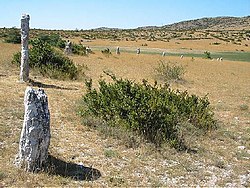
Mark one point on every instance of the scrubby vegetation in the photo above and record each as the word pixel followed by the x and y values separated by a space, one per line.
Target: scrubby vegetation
pixel 56 41
pixel 53 40
pixel 158 113
pixel 48 61
pixel 78 49
pixel 217 158
pixel 207 55
pixel 106 52
pixel 187 30
pixel 169 72
pixel 13 36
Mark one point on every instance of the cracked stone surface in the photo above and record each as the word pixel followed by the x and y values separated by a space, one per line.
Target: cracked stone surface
pixel 35 135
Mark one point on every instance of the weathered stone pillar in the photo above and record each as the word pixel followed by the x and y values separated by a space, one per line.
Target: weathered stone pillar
pixel 68 48
pixel 138 51
pixel 35 135
pixel 24 72
pixel 118 50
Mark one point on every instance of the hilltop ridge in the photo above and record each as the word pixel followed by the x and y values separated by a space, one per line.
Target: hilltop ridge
pixel 216 23
pixel 212 23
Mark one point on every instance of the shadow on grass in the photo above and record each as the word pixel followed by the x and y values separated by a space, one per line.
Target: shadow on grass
pixel 71 170
pixel 40 84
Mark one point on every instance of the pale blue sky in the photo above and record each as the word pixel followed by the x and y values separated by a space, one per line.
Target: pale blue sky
pixel 87 14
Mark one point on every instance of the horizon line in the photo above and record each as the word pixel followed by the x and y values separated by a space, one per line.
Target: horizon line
pixel 118 28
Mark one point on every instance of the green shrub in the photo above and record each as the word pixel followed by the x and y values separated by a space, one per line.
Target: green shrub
pixel 244 107
pixel 169 72
pixel 49 62
pixel 216 43
pixel 13 36
pixel 157 113
pixel 2 175
pixel 78 49
pixel 207 55
pixel 53 40
pixel 106 52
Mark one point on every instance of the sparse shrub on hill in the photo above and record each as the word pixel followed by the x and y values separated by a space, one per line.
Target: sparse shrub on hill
pixel 244 107
pixel 156 112
pixel 106 52
pixel 216 43
pixel 53 40
pixel 169 72
pixel 56 41
pixel 207 55
pixel 48 61
pixel 13 36
pixel 78 49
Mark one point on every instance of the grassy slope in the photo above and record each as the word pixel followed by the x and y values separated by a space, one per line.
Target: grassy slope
pixel 217 162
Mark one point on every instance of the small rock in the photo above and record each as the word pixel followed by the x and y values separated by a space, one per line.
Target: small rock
pixel 236 118
pixel 241 147
pixel 81 165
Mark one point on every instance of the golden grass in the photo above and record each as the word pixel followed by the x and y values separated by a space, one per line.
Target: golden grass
pixel 174 44
pixel 217 162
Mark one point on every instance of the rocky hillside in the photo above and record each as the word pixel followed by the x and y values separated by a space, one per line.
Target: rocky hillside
pixel 217 23
pixel 214 23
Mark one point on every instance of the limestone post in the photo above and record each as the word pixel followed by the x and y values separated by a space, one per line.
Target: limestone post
pixel 35 135
pixel 24 72
pixel 138 51
pixel 68 48
pixel 118 50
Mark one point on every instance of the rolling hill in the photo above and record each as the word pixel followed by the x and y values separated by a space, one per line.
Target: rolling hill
pixel 216 23
pixel 212 23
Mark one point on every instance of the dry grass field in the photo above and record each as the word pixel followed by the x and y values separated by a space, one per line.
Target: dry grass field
pixel 221 157
pixel 172 45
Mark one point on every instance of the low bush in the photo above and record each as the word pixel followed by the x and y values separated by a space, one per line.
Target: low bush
pixel 53 40
pixel 106 52
pixel 207 55
pixel 155 112
pixel 13 36
pixel 216 43
pixel 48 61
pixel 244 107
pixel 169 71
pixel 78 49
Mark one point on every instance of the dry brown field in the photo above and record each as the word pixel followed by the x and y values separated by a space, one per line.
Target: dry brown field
pixel 222 157
pixel 173 45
